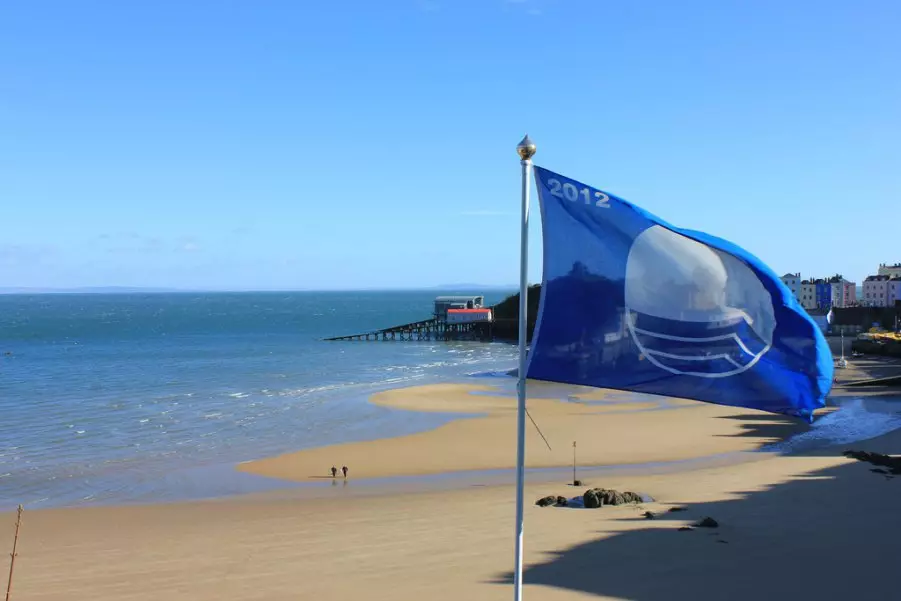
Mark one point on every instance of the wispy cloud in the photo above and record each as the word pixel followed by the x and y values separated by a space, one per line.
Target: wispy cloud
pixel 485 213
pixel 135 243
pixel 25 254
pixel 187 244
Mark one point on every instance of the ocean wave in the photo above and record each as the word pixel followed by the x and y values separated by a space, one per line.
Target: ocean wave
pixel 852 422
pixel 295 392
pixel 146 400
pixel 509 373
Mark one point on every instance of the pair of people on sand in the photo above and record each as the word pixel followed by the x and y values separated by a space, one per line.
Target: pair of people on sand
pixel 335 471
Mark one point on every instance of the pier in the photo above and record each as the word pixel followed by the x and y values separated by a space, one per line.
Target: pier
pixel 429 329
pixel 454 318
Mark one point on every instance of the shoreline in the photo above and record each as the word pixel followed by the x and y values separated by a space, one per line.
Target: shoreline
pixel 399 545
pixel 479 412
pixel 482 397
pixel 486 393
pixel 610 428
pixel 399 536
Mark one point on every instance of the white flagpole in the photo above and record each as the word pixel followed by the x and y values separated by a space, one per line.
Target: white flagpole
pixel 526 150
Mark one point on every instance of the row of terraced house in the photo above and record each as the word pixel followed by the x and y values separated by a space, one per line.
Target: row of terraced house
pixel 880 290
pixel 884 288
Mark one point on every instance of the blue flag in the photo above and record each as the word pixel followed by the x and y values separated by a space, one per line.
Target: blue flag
pixel 630 302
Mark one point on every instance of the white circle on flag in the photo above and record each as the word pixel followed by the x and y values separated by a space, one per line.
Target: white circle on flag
pixel 694 310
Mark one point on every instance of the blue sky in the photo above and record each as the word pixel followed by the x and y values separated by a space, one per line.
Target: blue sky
pixel 330 145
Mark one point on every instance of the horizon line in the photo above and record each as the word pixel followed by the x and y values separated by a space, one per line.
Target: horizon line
pixel 12 290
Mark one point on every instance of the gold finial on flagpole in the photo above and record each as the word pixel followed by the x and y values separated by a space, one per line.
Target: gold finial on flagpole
pixel 526 149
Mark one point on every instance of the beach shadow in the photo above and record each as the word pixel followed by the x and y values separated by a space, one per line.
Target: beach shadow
pixel 768 428
pixel 828 534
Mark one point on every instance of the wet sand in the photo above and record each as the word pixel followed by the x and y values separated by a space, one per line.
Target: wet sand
pixel 777 539
pixel 606 434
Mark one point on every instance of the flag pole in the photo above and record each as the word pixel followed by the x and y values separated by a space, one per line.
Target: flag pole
pixel 526 150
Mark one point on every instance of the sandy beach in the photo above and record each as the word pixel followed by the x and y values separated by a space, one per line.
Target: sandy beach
pixel 606 434
pixel 814 525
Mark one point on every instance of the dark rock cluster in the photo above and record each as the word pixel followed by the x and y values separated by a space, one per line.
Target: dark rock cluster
pixel 552 500
pixel 707 522
pixel 592 499
pixel 598 497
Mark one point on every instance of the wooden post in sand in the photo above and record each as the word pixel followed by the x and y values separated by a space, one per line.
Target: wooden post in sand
pixel 574 464
pixel 12 559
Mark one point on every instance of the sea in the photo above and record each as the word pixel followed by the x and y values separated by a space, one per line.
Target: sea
pixel 122 398
pixel 146 398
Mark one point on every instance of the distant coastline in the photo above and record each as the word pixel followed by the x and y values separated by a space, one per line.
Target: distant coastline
pixel 153 290
pixel 87 290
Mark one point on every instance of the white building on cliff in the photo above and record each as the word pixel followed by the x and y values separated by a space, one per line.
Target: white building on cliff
pixel 890 270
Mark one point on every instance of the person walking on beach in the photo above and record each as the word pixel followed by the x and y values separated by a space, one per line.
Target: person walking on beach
pixel 334 472
pixel 344 469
